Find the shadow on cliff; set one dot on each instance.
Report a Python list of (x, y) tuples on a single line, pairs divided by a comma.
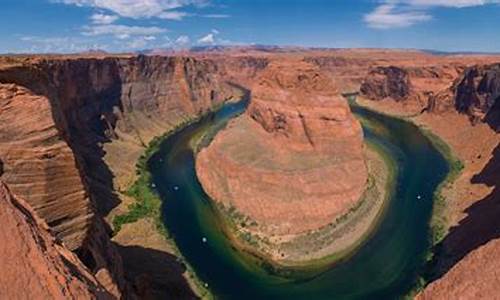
[(84, 112), (481, 225), (155, 274), (493, 116)]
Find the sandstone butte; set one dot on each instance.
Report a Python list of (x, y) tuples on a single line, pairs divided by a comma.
[(294, 161), (72, 127)]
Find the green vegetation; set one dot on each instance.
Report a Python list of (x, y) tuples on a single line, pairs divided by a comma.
[(439, 222), (148, 203), (239, 223)]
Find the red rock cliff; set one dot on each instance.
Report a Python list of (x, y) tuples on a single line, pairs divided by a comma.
[(34, 264), (477, 93), (72, 128)]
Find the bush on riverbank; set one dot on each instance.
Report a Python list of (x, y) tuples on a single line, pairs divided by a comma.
[(439, 222)]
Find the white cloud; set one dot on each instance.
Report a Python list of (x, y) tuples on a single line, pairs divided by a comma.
[(405, 13), (172, 15), (207, 39), (103, 19), (182, 40), (138, 43), (139, 8), (122, 31), (450, 3), (36, 44), (216, 16), (387, 16), (215, 31)]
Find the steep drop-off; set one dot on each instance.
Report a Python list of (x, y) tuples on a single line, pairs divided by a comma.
[(34, 264), (477, 93), (73, 128), (416, 88)]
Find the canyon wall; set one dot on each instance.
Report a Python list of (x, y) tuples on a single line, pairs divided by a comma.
[(471, 90), (72, 130), (464, 111), (385, 82), (34, 264), (416, 87), (477, 93)]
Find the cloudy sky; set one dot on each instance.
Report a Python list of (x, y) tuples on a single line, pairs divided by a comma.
[(128, 25)]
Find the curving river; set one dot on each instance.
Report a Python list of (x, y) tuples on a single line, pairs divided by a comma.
[(385, 266)]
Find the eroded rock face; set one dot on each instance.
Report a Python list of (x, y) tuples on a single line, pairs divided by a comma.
[(293, 162), (70, 126), (35, 155), (417, 88), (387, 82), (34, 265), (40, 166), (475, 277), (477, 93)]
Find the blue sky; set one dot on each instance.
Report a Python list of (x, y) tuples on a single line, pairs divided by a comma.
[(127, 25)]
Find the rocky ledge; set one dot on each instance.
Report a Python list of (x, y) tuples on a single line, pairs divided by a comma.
[(34, 264)]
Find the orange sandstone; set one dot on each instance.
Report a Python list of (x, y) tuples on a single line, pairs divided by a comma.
[(294, 161)]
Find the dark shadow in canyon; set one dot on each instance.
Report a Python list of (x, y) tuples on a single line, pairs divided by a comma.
[(155, 274), (481, 225), (84, 112), (492, 118)]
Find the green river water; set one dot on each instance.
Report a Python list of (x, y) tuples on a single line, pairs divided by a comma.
[(385, 266)]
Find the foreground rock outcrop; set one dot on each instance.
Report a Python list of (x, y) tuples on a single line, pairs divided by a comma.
[(34, 264), (40, 166), (293, 162)]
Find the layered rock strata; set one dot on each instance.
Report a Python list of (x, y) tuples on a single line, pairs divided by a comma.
[(294, 161), (472, 90), (417, 88), (73, 128), (34, 264), (464, 265), (477, 93)]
